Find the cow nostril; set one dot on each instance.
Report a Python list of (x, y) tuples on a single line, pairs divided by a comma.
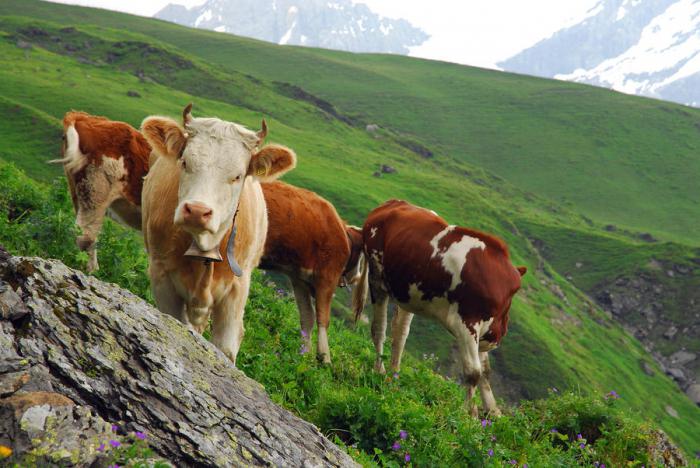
[(207, 214), (188, 210)]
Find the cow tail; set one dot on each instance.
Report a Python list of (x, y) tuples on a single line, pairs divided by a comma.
[(359, 293), (73, 160)]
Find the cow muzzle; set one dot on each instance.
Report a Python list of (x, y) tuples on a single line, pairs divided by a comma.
[(196, 215)]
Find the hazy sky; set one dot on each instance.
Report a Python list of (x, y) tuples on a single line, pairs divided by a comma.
[(474, 32)]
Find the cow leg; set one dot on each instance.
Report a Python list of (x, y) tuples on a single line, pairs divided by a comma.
[(306, 311), (227, 323), (167, 299), (379, 307), (324, 296), (400, 326), (487, 398), (468, 345)]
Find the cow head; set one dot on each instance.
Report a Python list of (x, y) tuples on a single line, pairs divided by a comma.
[(353, 266), (214, 158)]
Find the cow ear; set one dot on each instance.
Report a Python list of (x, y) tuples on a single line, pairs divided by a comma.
[(271, 162), (164, 135), (522, 270)]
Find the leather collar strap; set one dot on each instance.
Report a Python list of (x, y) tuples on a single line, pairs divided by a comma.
[(231, 244)]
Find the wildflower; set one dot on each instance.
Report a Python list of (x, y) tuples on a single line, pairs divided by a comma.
[(115, 428), (493, 438), (396, 446), (101, 448), (304, 334), (596, 464), (513, 462), (490, 452), (486, 422), (582, 445), (5, 451), (396, 375), (407, 457), (115, 443), (140, 435), (613, 394), (554, 430), (403, 434), (303, 350), (579, 436)]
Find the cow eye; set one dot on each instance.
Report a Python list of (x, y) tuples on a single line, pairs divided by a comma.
[(184, 164), (236, 179)]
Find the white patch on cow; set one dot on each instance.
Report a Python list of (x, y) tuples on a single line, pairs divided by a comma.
[(378, 259), (373, 232), (454, 257)]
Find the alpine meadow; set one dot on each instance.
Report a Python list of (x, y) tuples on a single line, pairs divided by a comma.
[(595, 192)]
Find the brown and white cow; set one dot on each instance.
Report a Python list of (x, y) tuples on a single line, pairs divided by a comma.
[(105, 162), (207, 173), (458, 276), (308, 242)]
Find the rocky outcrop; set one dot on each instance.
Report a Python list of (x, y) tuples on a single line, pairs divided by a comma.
[(78, 355)]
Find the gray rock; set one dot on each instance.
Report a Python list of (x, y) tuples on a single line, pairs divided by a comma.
[(671, 411), (387, 169), (371, 128), (671, 332), (693, 392), (88, 354), (676, 373), (682, 358), (648, 368)]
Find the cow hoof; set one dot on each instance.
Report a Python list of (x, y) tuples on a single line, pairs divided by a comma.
[(379, 368), (324, 359)]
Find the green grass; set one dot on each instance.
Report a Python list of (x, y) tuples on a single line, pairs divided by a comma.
[(569, 344)]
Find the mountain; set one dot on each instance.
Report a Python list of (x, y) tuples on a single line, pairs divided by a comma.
[(336, 24), (650, 48)]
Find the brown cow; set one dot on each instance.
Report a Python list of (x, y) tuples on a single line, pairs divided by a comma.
[(308, 242), (202, 200), (105, 162), (460, 277)]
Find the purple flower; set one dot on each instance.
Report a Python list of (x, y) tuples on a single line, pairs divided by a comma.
[(583, 446), (101, 448), (407, 458), (613, 394), (403, 434), (524, 465), (396, 375), (485, 422), (115, 443), (513, 462), (304, 334), (396, 446), (303, 350), (490, 452), (554, 430), (493, 438), (602, 465), (115, 428), (140, 435), (596, 464), (579, 436)]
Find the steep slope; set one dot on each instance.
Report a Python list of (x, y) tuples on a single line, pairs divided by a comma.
[(645, 48), (340, 24), (557, 334)]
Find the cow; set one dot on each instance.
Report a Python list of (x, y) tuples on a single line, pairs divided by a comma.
[(308, 242), (458, 276), (104, 162), (202, 202)]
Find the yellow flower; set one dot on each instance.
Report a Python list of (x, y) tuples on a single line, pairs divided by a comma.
[(5, 451)]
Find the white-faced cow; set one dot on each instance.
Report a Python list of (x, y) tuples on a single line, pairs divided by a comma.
[(460, 277), (308, 242), (202, 201), (105, 162)]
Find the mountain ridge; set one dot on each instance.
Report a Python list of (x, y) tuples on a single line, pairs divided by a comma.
[(336, 24)]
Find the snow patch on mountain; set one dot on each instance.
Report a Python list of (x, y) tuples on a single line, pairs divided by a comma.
[(668, 50)]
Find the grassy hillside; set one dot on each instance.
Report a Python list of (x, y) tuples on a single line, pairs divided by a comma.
[(558, 338), (618, 159), (417, 416)]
